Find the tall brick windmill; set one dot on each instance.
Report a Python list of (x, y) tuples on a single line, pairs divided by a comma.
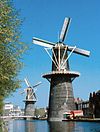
[(61, 98)]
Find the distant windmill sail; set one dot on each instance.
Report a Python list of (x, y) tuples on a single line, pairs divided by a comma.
[(30, 91), (27, 82), (37, 84)]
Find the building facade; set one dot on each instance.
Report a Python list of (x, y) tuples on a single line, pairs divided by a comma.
[(94, 104), (91, 107), (12, 110)]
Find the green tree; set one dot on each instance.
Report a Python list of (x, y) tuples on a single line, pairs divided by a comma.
[(11, 49)]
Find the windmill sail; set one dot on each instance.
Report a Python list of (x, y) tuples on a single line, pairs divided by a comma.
[(64, 29), (36, 84), (79, 51), (43, 43), (27, 82)]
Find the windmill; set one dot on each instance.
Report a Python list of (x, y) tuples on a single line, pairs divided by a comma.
[(61, 98), (30, 98)]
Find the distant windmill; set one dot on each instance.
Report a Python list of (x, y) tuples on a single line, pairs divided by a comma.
[(61, 97), (30, 98)]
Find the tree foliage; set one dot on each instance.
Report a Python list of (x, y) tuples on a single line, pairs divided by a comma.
[(11, 48)]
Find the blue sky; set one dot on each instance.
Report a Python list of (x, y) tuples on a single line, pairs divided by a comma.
[(44, 19)]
